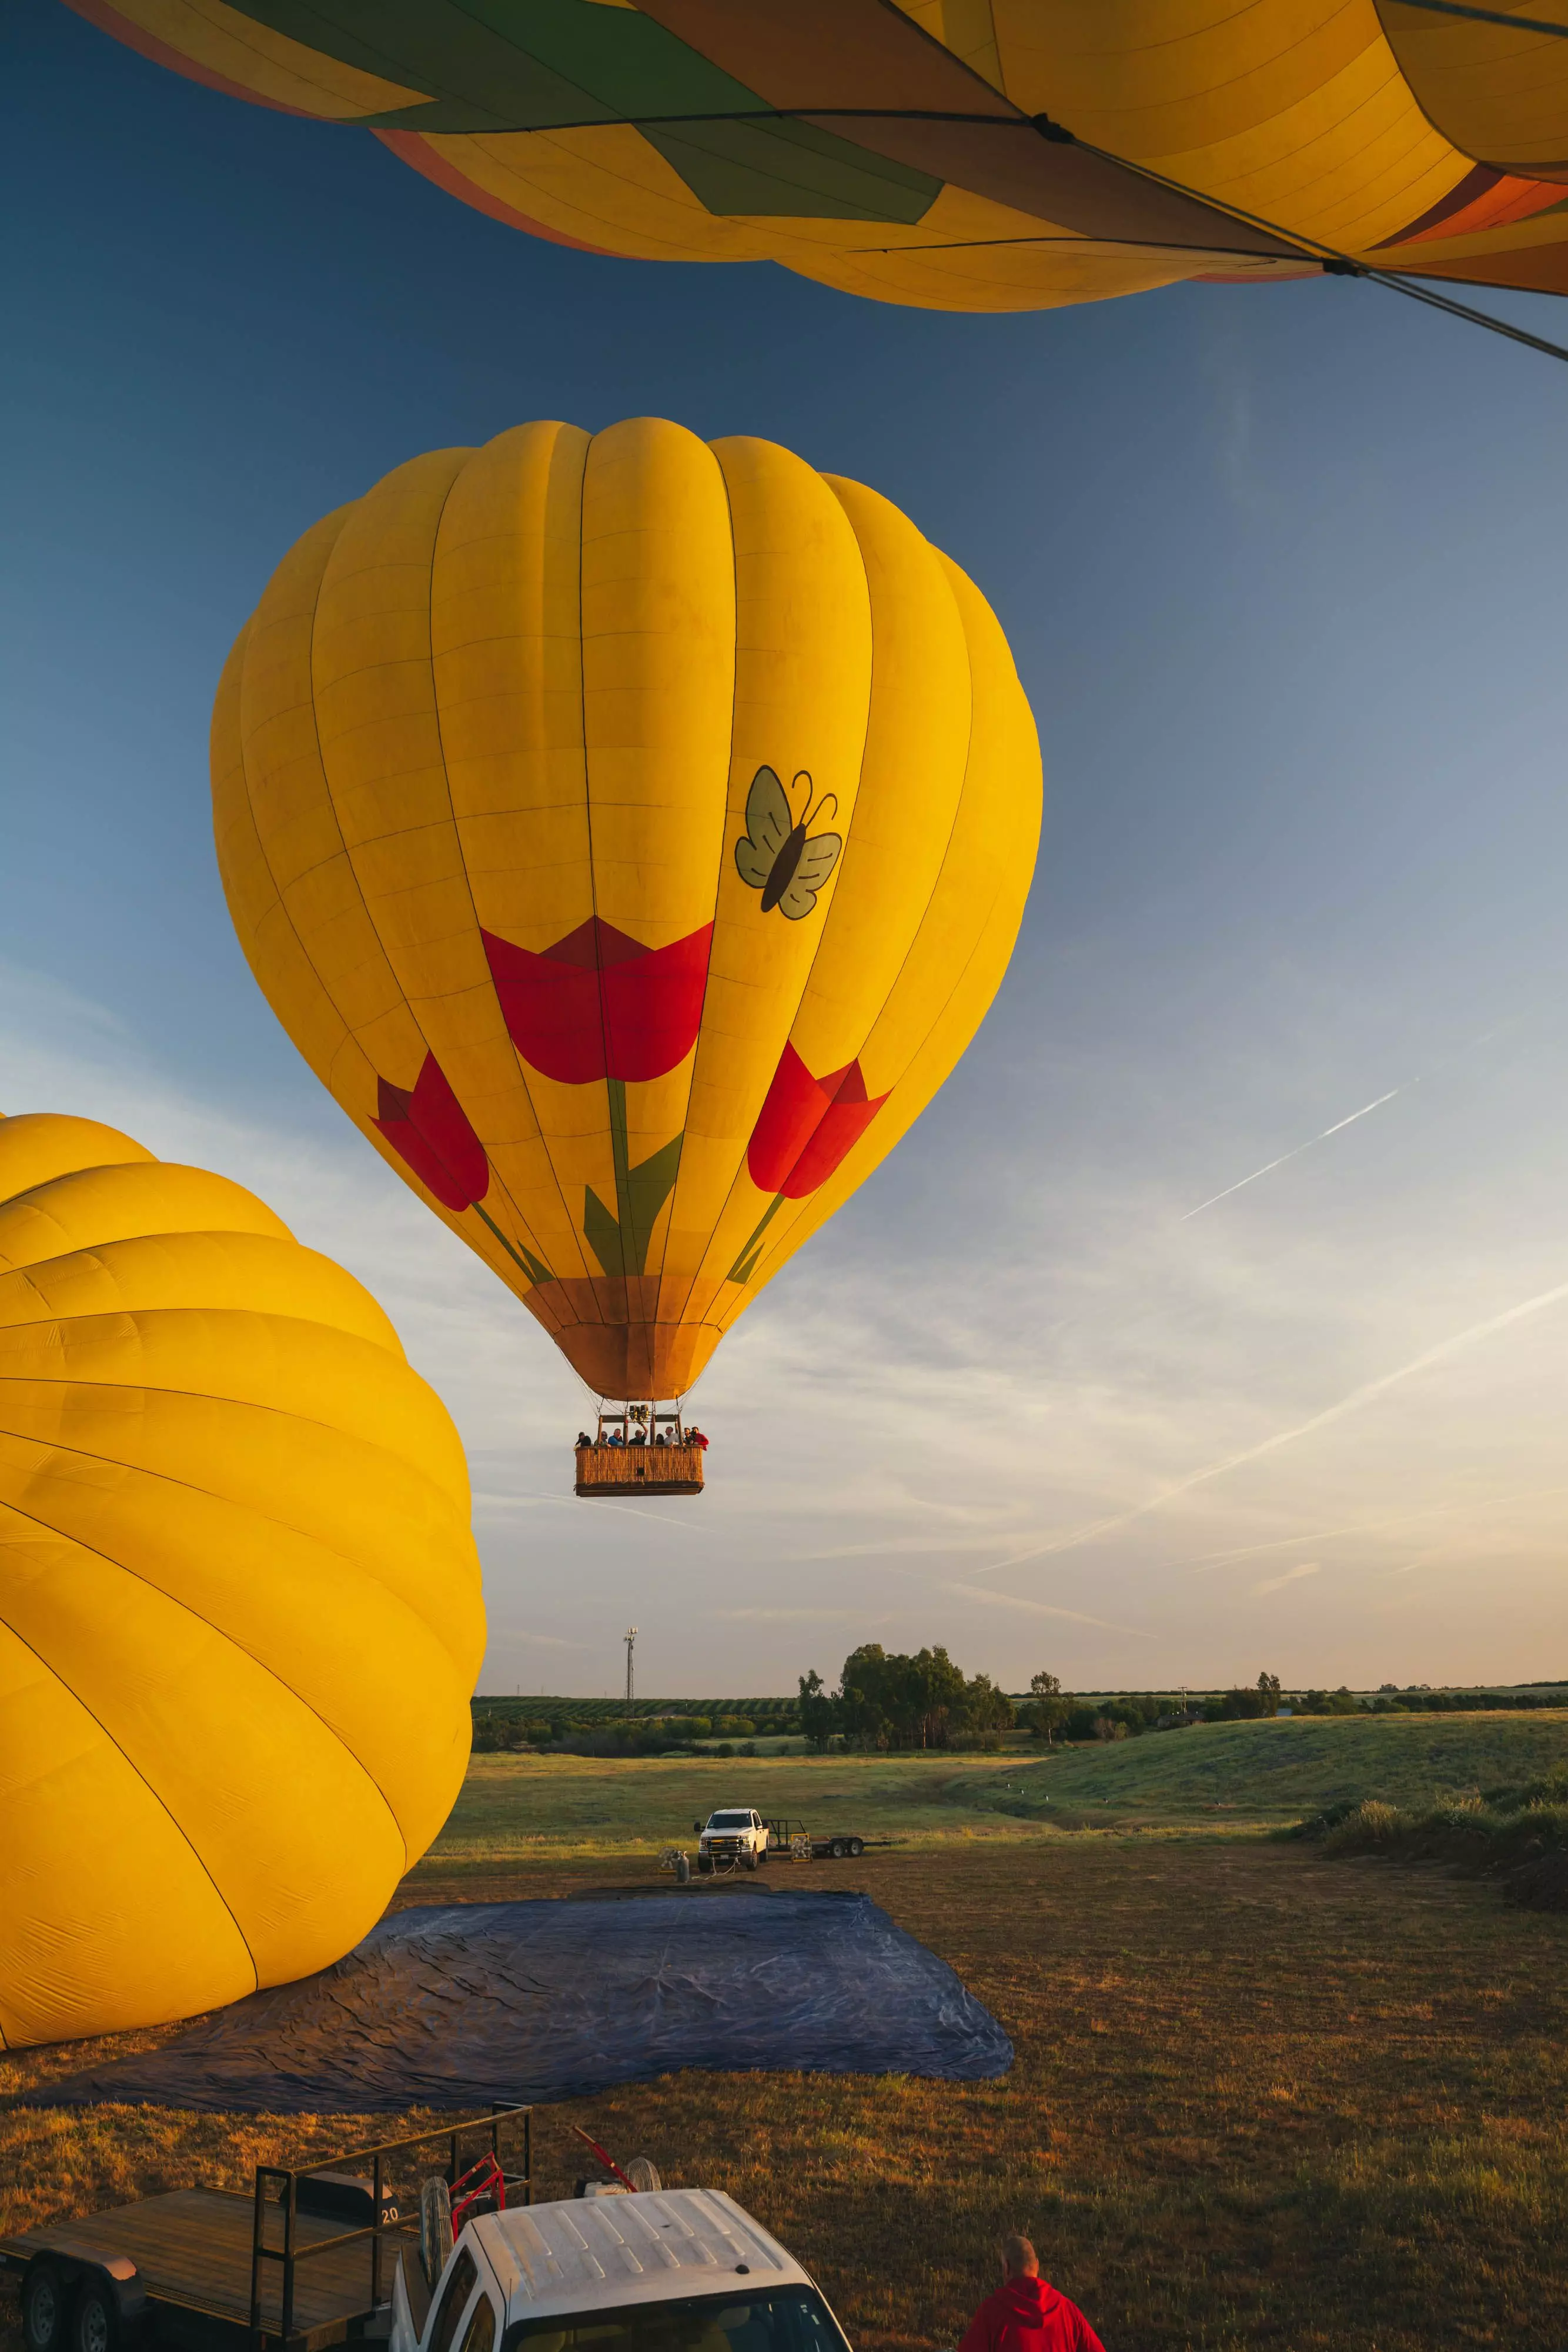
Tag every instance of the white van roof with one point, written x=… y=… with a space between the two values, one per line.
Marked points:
x=595 y=2254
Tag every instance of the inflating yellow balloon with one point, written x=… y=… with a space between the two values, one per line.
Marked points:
x=631 y=834
x=959 y=155
x=239 y=1600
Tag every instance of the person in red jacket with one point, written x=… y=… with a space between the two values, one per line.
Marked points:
x=1025 y=2314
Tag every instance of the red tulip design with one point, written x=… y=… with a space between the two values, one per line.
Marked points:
x=806 y=1125
x=429 y=1131
x=803 y=1131
x=600 y=1005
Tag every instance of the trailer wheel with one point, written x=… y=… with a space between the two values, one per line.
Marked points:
x=857 y=1845
x=95 y=2322
x=44 y=2306
x=838 y=1849
x=435 y=2230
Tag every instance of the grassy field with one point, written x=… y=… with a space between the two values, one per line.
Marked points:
x=1262 y=2099
x=1220 y=1775
x=1270 y=1773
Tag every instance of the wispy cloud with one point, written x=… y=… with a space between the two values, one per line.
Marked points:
x=1041 y=1609
x=789 y=1616
x=520 y=1634
x=1355 y=1401
x=1292 y=1575
x=906 y=1413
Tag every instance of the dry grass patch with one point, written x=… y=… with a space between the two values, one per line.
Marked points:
x=1260 y=2100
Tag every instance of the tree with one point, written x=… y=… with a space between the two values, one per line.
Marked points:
x=1045 y=1709
x=1245 y=1706
x=818 y=1710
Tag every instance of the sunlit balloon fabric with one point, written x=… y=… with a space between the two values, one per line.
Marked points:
x=632 y=833
x=915 y=152
x=239 y=1599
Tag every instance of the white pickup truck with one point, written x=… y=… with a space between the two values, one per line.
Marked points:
x=733 y=1835
x=673 y=2269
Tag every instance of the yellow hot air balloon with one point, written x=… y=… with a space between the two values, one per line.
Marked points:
x=631 y=833
x=239 y=1600
x=956 y=154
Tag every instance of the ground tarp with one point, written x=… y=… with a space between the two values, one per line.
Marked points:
x=456 y=2004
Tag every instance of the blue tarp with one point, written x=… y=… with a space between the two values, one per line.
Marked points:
x=456 y=2004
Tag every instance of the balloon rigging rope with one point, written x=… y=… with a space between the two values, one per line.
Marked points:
x=1333 y=263
x=1490 y=17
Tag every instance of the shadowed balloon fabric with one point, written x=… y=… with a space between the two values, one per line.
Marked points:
x=915 y=152
x=240 y=1616
x=632 y=833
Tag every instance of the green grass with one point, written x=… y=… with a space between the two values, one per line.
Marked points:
x=512 y=1806
x=1265 y=1774
x=1221 y=1776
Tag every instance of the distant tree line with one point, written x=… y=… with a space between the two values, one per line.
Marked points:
x=889 y=1700
x=606 y=1727
x=886 y=1699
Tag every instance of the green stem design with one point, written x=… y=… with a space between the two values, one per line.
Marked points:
x=745 y=1266
x=534 y=1267
x=619 y=1242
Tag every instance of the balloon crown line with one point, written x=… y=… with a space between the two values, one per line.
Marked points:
x=1329 y=260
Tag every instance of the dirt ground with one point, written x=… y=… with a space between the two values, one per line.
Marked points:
x=1260 y=2099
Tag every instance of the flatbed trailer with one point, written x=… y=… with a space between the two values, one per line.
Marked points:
x=214 y=2269
x=801 y=1844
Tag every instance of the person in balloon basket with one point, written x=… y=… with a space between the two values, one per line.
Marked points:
x=1025 y=2314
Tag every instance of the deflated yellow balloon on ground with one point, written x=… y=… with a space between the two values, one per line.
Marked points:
x=631 y=833
x=240 y=1616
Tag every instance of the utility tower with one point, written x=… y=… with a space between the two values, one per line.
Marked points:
x=629 y=1638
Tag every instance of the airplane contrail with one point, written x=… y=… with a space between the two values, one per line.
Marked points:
x=1341 y=1124
x=1042 y=1608
x=1368 y=1390
x=1297 y=1149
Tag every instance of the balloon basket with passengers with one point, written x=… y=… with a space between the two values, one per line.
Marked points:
x=640 y=1449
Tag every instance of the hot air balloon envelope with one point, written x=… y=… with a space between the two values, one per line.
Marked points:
x=632 y=833
x=239 y=1600
x=957 y=154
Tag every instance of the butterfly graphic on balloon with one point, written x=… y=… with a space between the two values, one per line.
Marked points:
x=781 y=857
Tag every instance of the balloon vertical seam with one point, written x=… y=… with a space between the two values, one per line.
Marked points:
x=607 y=1320
x=220 y=1632
x=782 y=1232
x=462 y=867
x=132 y=1766
x=717 y=884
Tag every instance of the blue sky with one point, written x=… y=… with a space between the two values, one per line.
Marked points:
x=1282 y=570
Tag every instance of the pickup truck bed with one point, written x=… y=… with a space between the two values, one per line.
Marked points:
x=189 y=2264
x=192 y=2249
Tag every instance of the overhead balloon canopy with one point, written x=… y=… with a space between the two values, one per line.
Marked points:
x=240 y=1616
x=631 y=833
x=956 y=154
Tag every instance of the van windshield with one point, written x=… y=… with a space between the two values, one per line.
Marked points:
x=793 y=2319
x=729 y=1820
